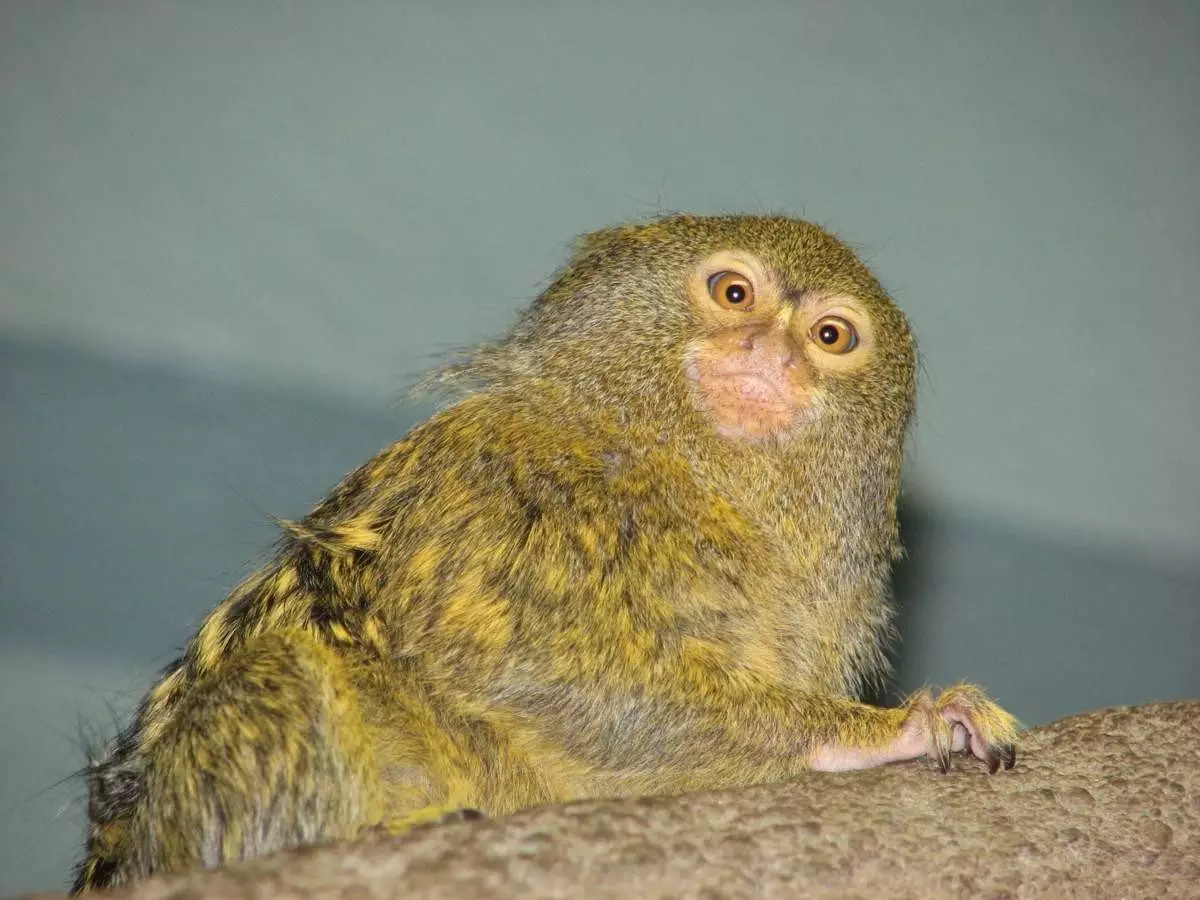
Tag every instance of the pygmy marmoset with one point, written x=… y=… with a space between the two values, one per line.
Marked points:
x=646 y=550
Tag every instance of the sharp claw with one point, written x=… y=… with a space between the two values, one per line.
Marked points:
x=993 y=763
x=1008 y=753
x=943 y=760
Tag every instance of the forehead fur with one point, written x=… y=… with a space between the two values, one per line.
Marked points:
x=804 y=256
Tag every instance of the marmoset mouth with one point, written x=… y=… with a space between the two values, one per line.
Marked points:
x=747 y=404
x=750 y=385
x=753 y=387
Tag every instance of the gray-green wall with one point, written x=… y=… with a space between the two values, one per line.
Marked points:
x=230 y=232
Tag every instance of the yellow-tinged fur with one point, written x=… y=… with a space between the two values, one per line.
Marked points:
x=564 y=585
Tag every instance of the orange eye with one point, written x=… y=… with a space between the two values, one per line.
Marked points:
x=834 y=335
x=731 y=290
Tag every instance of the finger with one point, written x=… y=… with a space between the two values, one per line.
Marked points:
x=960 y=738
x=942 y=734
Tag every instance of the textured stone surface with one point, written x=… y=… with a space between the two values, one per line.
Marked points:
x=1105 y=804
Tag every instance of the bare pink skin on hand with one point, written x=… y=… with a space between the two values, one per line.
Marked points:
x=960 y=719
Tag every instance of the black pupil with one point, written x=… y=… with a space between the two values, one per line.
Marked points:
x=735 y=293
x=829 y=334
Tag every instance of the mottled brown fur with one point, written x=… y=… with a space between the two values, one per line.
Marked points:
x=564 y=585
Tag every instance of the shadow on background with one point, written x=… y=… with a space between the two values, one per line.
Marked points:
x=1050 y=627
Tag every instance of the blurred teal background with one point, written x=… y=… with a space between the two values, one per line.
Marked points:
x=231 y=233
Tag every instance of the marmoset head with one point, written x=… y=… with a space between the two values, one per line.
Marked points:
x=750 y=329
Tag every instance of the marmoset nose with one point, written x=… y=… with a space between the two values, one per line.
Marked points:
x=769 y=346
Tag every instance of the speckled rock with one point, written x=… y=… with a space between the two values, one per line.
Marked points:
x=1100 y=805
